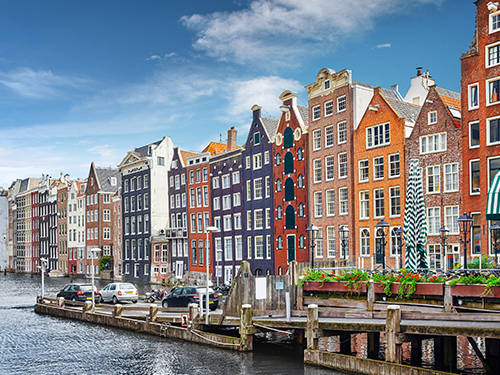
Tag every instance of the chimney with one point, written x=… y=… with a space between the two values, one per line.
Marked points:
x=419 y=71
x=256 y=112
x=231 y=139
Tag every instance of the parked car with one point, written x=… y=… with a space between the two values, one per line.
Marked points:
x=183 y=296
x=79 y=292
x=119 y=292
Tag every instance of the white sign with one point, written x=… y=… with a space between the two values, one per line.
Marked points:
x=260 y=288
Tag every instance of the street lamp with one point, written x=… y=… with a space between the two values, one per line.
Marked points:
x=207 y=261
x=344 y=237
x=43 y=268
x=219 y=256
x=312 y=229
x=399 y=253
x=495 y=235
x=444 y=236
x=93 y=252
x=382 y=224
x=465 y=222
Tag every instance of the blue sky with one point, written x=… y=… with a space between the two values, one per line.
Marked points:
x=84 y=81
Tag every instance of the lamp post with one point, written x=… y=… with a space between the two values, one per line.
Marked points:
x=344 y=237
x=312 y=229
x=444 y=236
x=43 y=268
x=382 y=224
x=399 y=253
x=495 y=235
x=207 y=261
x=93 y=252
x=218 y=255
x=465 y=222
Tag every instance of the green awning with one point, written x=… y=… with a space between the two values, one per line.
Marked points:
x=493 y=205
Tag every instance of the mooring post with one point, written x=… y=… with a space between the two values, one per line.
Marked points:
x=416 y=352
x=312 y=328
x=153 y=312
x=117 y=311
x=370 y=295
x=448 y=299
x=193 y=313
x=300 y=298
x=62 y=302
x=373 y=345
x=392 y=329
x=246 y=328
x=87 y=306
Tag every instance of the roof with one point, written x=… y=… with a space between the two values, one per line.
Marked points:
x=386 y=93
x=270 y=125
x=215 y=148
x=304 y=113
x=143 y=150
x=184 y=155
x=403 y=109
x=104 y=175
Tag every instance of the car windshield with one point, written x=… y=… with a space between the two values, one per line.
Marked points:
x=127 y=286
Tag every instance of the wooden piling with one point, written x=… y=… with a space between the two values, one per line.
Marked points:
x=370 y=296
x=246 y=328
x=153 y=312
x=448 y=299
x=312 y=328
x=87 y=306
x=117 y=311
x=392 y=329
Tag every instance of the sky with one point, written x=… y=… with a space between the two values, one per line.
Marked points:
x=88 y=81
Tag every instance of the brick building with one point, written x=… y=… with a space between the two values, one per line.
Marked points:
x=62 y=223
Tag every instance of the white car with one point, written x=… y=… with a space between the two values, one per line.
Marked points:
x=119 y=292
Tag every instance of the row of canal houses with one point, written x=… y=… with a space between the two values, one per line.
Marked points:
x=340 y=163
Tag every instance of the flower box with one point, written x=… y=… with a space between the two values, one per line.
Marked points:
x=334 y=286
x=475 y=290
x=422 y=289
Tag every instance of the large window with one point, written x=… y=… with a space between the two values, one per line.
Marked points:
x=475 y=177
x=341 y=103
x=394 y=165
x=363 y=171
x=317 y=170
x=289 y=190
x=451 y=177
x=316 y=112
x=330 y=202
x=493 y=55
x=343 y=203
x=378 y=195
x=493 y=87
x=316 y=139
x=329 y=136
x=378 y=168
x=290 y=217
x=474 y=134
x=494 y=22
x=378 y=135
x=342 y=132
x=259 y=219
x=328 y=108
x=364 y=205
x=365 y=242
x=343 y=165
x=451 y=219
x=257 y=161
x=434 y=216
x=394 y=201
x=433 y=143
x=318 y=204
x=288 y=138
x=289 y=168
x=433 y=183
x=329 y=168
x=493 y=130
x=257 y=188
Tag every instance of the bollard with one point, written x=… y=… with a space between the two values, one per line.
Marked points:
x=448 y=299
x=153 y=312
x=370 y=296
x=87 y=307
x=117 y=311
x=246 y=328
x=312 y=329
x=61 y=302
x=193 y=314
x=392 y=329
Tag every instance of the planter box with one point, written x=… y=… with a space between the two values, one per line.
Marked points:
x=475 y=290
x=333 y=286
x=423 y=289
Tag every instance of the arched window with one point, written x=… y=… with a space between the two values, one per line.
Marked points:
x=280 y=271
x=288 y=163
x=279 y=212
x=290 y=217
x=289 y=189
x=268 y=271
x=278 y=185
x=258 y=272
x=302 y=241
x=394 y=241
x=288 y=138
x=365 y=242
x=300 y=154
x=300 y=182
x=280 y=243
x=301 y=209
x=278 y=159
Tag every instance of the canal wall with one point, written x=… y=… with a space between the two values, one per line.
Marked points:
x=364 y=366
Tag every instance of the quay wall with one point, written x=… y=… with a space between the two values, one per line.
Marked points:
x=363 y=366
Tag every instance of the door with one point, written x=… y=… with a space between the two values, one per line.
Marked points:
x=179 y=267
x=105 y=293
x=290 y=245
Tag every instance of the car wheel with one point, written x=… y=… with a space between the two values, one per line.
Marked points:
x=164 y=303
x=115 y=300
x=134 y=301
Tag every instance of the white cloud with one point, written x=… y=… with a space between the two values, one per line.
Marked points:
x=154 y=57
x=380 y=46
x=38 y=85
x=283 y=32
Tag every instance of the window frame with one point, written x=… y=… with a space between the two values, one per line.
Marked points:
x=488 y=130
x=471 y=192
x=364 y=205
x=341 y=133
x=361 y=173
x=316 y=112
x=471 y=146
x=489 y=102
x=487 y=54
x=341 y=103
x=316 y=139
x=432 y=118
x=370 y=137
x=427 y=175
x=457 y=173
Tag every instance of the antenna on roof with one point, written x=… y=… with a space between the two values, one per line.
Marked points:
x=220 y=138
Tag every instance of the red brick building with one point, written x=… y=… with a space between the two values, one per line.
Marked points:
x=480 y=89
x=290 y=184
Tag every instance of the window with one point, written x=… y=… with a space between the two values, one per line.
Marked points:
x=327 y=84
x=434 y=255
x=161 y=160
x=364 y=205
x=257 y=188
x=216 y=203
x=268 y=218
x=474 y=96
x=319 y=243
x=106 y=215
x=301 y=210
x=290 y=217
x=343 y=165
x=300 y=154
x=288 y=138
x=328 y=108
x=433 y=183
x=318 y=204
x=493 y=131
x=432 y=118
x=106 y=234
x=259 y=219
x=191 y=177
x=451 y=177
x=183 y=179
x=226 y=202
x=266 y=157
x=394 y=165
x=227 y=223
x=249 y=220
x=434 y=216
x=205 y=196
x=198 y=176
x=228 y=247
x=363 y=171
x=191 y=198
x=289 y=190
x=341 y=103
x=329 y=136
x=249 y=247
x=493 y=88
x=475 y=177
x=239 y=248
x=365 y=242
x=317 y=170
x=474 y=135
x=278 y=159
x=476 y=233
x=256 y=138
x=316 y=139
x=302 y=242
x=493 y=55
x=343 y=203
x=342 y=132
x=378 y=168
x=279 y=241
x=493 y=168
x=257 y=161
x=433 y=143
x=451 y=219
x=278 y=185
x=289 y=168
x=226 y=181
x=171 y=181
x=247 y=162
x=237 y=221
x=300 y=181
x=316 y=112
x=494 y=22
x=378 y=135
x=177 y=182
x=236 y=199
x=205 y=174
x=394 y=201
x=329 y=168
x=215 y=182
x=330 y=202
x=268 y=186
x=378 y=195
x=279 y=213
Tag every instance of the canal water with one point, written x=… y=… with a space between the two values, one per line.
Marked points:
x=36 y=344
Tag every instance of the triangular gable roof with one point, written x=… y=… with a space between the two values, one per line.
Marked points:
x=270 y=125
x=143 y=150
x=103 y=176
x=403 y=109
x=183 y=155
x=451 y=100
x=131 y=157
x=215 y=148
